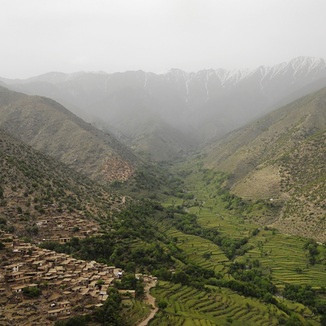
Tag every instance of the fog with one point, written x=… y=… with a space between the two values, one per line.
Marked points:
x=156 y=35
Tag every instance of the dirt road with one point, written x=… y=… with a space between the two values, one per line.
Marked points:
x=151 y=301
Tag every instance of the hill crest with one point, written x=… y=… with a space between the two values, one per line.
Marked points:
x=49 y=127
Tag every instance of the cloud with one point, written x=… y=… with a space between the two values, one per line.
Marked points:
x=155 y=35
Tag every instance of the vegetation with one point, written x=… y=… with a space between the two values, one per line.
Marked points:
x=32 y=292
x=218 y=255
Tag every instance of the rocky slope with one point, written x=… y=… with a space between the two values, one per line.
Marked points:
x=39 y=194
x=49 y=127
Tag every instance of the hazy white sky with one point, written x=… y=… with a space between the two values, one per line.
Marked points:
x=39 y=36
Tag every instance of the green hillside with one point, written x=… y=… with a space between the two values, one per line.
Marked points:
x=281 y=158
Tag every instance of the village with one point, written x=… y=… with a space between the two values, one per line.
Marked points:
x=66 y=286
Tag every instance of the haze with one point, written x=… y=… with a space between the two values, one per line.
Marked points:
x=119 y=35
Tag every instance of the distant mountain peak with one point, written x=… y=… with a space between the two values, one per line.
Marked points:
x=307 y=65
x=203 y=104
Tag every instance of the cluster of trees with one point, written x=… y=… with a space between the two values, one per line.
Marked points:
x=256 y=278
x=107 y=315
x=311 y=247
x=304 y=294
x=129 y=282
x=32 y=292
x=190 y=275
x=307 y=296
x=133 y=242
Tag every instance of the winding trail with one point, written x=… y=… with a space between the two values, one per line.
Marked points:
x=151 y=301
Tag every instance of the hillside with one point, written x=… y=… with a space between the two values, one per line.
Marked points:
x=38 y=194
x=50 y=128
x=281 y=158
x=45 y=203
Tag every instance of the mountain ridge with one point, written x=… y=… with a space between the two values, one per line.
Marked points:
x=199 y=106
x=52 y=129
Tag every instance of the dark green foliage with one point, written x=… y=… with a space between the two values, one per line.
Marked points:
x=117 y=248
x=32 y=292
x=110 y=313
x=180 y=277
x=129 y=282
x=255 y=232
x=75 y=321
x=304 y=294
x=192 y=275
x=253 y=275
x=162 y=304
x=312 y=251
x=323 y=320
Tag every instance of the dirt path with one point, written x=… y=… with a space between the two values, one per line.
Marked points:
x=151 y=301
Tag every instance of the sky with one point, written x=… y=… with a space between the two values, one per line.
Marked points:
x=40 y=36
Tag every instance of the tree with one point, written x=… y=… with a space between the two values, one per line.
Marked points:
x=162 y=304
x=180 y=277
x=109 y=313
x=32 y=292
x=323 y=320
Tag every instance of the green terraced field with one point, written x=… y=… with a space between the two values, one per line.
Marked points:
x=280 y=255
x=135 y=310
x=284 y=255
x=189 y=306
x=195 y=247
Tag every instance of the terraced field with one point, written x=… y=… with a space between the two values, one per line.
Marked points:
x=189 y=306
x=210 y=216
x=281 y=256
x=195 y=248
x=285 y=256
x=135 y=311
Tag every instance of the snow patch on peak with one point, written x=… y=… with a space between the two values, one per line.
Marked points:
x=306 y=64
x=231 y=76
x=177 y=74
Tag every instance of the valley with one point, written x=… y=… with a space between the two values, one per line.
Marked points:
x=228 y=222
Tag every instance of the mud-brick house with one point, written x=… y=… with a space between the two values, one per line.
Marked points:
x=14 y=267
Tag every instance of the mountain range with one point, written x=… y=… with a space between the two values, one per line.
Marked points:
x=166 y=115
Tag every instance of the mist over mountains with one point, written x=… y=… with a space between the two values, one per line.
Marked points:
x=206 y=180
x=50 y=128
x=165 y=115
